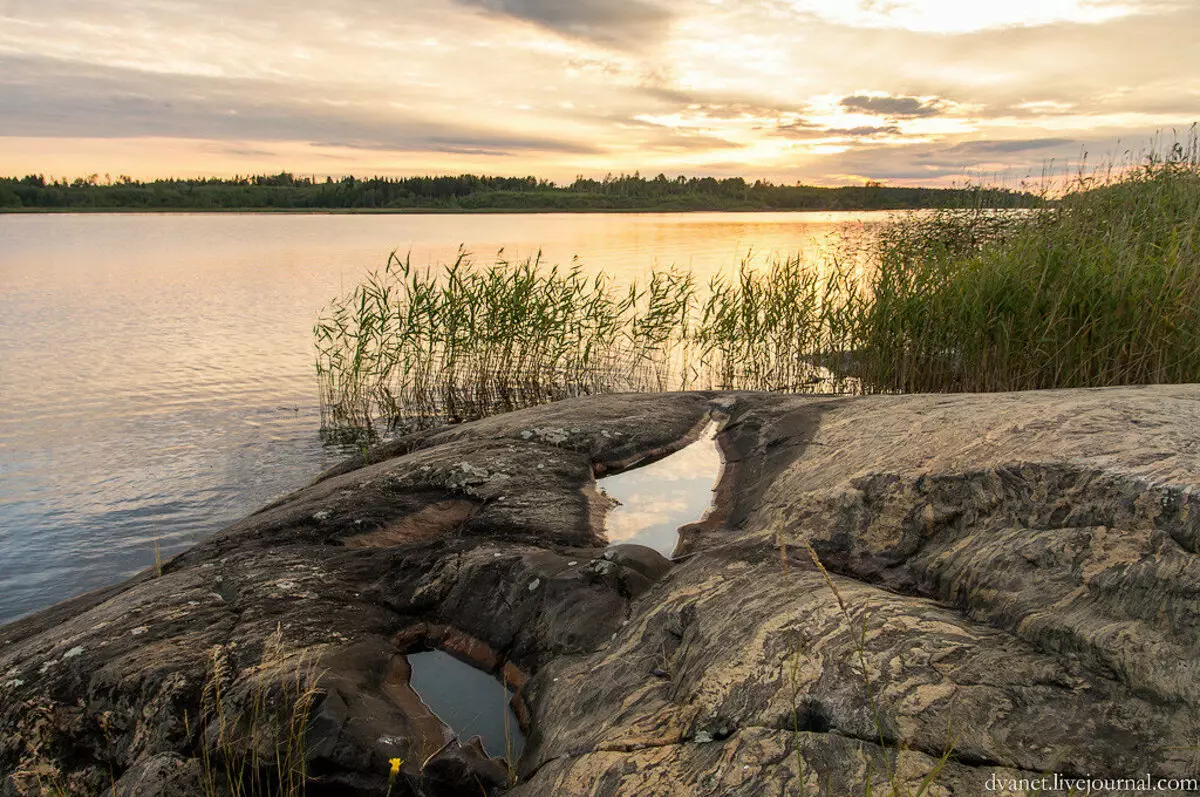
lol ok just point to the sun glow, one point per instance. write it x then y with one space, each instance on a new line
956 16
789 89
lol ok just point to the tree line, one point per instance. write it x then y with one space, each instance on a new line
286 191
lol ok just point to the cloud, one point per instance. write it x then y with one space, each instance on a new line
954 16
864 131
51 98
902 107
673 139
806 130
610 22
240 151
979 148
928 162
743 109
553 87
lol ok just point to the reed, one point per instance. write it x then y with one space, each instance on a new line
418 346
414 347
1099 287
253 737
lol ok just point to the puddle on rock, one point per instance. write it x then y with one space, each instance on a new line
469 701
656 499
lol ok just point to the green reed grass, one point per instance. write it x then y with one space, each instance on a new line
419 346
465 342
1100 287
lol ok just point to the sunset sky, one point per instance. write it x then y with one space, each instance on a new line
822 91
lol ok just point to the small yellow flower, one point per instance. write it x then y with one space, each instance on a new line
395 762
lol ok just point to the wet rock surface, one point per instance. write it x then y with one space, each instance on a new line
976 587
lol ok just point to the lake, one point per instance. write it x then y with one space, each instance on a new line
157 370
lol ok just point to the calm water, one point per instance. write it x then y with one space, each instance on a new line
656 499
469 701
157 370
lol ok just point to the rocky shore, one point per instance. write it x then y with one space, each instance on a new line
955 591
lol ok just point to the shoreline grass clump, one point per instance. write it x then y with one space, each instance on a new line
253 732
1098 287
1101 288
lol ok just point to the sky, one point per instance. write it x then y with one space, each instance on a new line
826 92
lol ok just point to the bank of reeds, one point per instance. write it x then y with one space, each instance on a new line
1101 287
422 346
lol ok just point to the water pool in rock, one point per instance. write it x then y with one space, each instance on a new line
470 701
655 500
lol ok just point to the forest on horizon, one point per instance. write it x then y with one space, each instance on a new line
468 192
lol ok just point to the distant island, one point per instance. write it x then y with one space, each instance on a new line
471 193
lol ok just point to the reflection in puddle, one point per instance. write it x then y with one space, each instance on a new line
469 701
655 500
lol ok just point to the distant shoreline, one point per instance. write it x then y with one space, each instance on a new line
438 211
286 193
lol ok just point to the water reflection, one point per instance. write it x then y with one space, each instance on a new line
656 499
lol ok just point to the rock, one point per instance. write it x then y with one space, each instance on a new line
646 561
445 774
978 587
163 775
629 569
995 569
